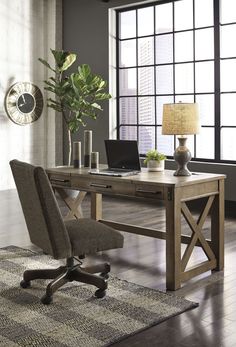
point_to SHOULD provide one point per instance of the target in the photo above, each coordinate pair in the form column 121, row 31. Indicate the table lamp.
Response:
column 181, row 119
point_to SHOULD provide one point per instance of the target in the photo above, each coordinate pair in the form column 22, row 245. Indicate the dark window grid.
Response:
column 140, row 125
column 166, row 94
column 155, row 79
column 117, row 79
column 173, row 25
column 227, row 24
column 160, row 125
column 228, row 58
column 194, row 75
column 217, row 84
column 172, row 63
column 217, row 144
column 137, row 104
column 153, row 4
column 171, row 32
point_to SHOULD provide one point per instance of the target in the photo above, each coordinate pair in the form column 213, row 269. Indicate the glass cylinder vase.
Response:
column 87, row 147
column 77, row 154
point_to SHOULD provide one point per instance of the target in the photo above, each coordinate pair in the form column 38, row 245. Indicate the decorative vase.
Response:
column 87, row 147
column 77, row 154
column 154, row 165
column 94, row 160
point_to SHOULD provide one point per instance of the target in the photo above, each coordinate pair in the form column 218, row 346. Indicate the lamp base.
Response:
column 182, row 156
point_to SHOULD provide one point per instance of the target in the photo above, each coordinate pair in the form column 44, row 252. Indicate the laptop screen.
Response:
column 122, row 154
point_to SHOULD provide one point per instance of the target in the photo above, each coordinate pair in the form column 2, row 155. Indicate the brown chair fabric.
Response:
column 46, row 227
column 93, row 236
column 25, row 183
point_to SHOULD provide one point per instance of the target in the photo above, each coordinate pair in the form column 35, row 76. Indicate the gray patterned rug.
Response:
column 76, row 318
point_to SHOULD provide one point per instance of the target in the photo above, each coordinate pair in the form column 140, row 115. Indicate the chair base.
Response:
column 69, row 273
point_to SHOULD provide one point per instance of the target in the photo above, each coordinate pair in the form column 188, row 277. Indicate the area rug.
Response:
column 76, row 318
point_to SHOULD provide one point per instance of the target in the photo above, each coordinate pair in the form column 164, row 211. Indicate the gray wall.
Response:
column 85, row 31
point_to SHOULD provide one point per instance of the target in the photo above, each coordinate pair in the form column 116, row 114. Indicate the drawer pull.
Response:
column 97, row 185
column 61, row 180
column 147, row 191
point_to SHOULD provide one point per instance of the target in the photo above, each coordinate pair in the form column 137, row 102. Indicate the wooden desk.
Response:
column 175, row 192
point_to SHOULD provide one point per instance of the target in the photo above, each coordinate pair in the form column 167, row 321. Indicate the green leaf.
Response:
column 49, row 84
column 78, row 94
column 63, row 59
column 50, row 89
column 153, row 154
column 54, row 102
column 55, row 107
column 69, row 60
column 97, row 106
column 44, row 62
column 84, row 71
column 102, row 96
column 53, row 79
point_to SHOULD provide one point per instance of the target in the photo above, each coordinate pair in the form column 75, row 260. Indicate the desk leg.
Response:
column 217, row 227
column 73, row 204
column 173, row 239
column 96, row 206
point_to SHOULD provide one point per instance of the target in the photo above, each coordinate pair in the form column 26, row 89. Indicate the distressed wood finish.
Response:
column 217, row 226
column 175, row 192
column 96, row 206
column 173, row 239
column 74, row 204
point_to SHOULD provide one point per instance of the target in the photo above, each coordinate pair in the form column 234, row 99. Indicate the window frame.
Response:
column 216, row 62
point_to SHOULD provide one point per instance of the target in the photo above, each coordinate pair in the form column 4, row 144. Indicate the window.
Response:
column 170, row 51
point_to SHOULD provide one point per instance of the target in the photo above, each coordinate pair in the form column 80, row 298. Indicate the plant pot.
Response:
column 154, row 165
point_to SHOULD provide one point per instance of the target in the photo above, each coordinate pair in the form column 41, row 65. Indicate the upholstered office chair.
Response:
column 61, row 240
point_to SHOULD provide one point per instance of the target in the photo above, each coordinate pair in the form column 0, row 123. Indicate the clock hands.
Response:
column 24, row 100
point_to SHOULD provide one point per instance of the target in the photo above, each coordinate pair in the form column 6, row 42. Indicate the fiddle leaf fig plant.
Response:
column 154, row 155
column 77, row 95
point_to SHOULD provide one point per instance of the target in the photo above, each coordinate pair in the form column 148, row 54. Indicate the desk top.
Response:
column 165, row 178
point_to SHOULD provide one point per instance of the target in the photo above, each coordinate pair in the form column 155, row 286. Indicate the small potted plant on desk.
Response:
column 155, row 160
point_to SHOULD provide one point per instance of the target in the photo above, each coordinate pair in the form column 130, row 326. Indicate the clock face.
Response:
column 24, row 103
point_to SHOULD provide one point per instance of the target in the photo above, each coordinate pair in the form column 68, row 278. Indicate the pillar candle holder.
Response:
column 77, row 154
column 94, row 160
column 87, row 147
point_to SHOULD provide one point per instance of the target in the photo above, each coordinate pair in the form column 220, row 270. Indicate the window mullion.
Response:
column 217, row 78
column 137, row 77
column 117, row 76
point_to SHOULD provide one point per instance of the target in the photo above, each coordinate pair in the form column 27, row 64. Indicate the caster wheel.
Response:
column 105, row 275
column 46, row 300
column 100, row 293
column 24, row 284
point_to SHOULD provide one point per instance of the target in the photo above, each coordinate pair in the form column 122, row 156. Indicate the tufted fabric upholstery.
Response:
column 46, row 227
column 93, row 236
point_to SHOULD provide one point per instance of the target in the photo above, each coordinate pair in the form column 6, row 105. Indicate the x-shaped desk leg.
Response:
column 196, row 228
column 74, row 204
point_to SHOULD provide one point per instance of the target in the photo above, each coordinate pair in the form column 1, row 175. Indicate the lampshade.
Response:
column 180, row 119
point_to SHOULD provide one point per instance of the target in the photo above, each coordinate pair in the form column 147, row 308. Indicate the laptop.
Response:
column 122, row 159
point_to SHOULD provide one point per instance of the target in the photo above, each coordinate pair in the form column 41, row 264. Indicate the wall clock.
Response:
column 24, row 103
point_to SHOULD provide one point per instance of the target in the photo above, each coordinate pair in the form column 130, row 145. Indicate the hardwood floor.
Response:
column 142, row 260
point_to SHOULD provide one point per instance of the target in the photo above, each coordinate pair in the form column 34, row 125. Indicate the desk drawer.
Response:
column 58, row 180
column 103, row 186
column 149, row 191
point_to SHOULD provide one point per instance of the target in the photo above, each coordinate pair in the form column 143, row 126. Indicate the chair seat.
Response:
column 88, row 236
column 60, row 239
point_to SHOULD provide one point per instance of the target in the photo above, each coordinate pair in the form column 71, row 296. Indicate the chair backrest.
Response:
column 42, row 215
